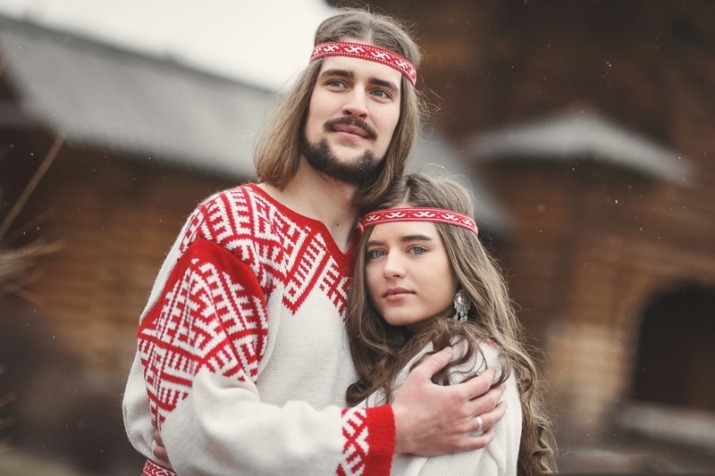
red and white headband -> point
(438, 215)
(366, 52)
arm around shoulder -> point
(200, 349)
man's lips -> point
(351, 130)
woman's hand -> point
(159, 450)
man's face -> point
(353, 112)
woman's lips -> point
(397, 294)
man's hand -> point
(432, 419)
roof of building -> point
(146, 107)
(112, 98)
(435, 155)
(579, 136)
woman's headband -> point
(366, 52)
(438, 215)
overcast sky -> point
(265, 42)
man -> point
(242, 361)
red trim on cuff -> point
(381, 440)
(153, 469)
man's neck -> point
(322, 198)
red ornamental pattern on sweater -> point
(237, 249)
(356, 446)
(153, 469)
(248, 225)
(204, 318)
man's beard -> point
(359, 171)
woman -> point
(423, 281)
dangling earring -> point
(461, 305)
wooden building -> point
(592, 124)
(139, 142)
(610, 251)
(130, 144)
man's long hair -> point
(380, 350)
(278, 148)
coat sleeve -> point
(199, 349)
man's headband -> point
(438, 215)
(366, 52)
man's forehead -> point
(366, 51)
(360, 67)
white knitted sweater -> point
(242, 358)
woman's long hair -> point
(380, 350)
(278, 148)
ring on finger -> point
(480, 424)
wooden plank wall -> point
(117, 220)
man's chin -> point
(354, 167)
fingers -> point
(486, 403)
(160, 453)
(158, 448)
(479, 385)
(476, 439)
(475, 442)
(157, 438)
(434, 363)
(489, 419)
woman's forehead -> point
(397, 230)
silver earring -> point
(461, 305)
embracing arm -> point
(430, 419)
(200, 347)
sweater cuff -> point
(380, 440)
(153, 469)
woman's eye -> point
(418, 250)
(372, 254)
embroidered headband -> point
(438, 215)
(366, 52)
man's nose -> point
(356, 104)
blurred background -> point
(585, 130)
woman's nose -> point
(393, 265)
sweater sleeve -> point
(200, 347)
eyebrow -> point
(349, 74)
(403, 239)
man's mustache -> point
(351, 121)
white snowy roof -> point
(582, 136)
(148, 107)
(107, 97)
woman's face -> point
(408, 275)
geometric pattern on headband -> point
(369, 53)
(439, 215)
